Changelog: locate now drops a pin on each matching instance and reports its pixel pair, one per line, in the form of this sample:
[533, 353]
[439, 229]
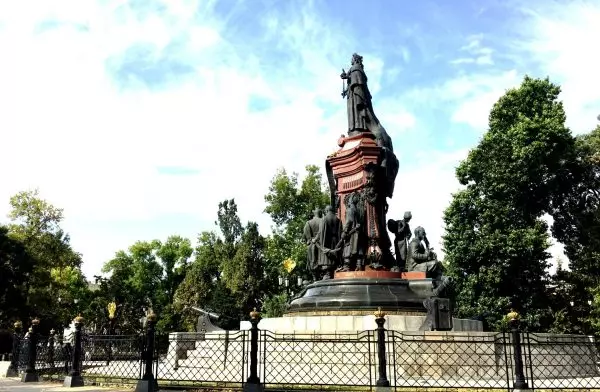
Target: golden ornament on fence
[289, 265]
[112, 309]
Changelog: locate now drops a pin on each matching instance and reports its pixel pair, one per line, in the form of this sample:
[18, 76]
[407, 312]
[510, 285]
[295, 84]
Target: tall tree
[577, 225]
[173, 255]
[495, 242]
[134, 283]
[227, 274]
[36, 224]
[15, 266]
[290, 205]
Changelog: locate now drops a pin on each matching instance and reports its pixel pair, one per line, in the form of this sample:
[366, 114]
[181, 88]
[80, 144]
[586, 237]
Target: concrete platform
[332, 324]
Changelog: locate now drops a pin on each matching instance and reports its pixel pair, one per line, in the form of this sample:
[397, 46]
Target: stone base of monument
[347, 303]
[364, 291]
[340, 323]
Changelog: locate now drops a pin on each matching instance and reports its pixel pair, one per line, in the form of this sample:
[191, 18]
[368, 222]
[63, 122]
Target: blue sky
[138, 117]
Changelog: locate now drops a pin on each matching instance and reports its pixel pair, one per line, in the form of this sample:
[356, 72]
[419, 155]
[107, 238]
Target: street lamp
[285, 282]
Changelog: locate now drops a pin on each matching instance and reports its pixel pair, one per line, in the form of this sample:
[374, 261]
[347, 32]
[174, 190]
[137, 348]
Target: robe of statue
[354, 246]
[310, 236]
[330, 234]
[417, 260]
[403, 235]
[359, 100]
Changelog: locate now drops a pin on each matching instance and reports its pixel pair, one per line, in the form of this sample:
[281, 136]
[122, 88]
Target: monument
[349, 249]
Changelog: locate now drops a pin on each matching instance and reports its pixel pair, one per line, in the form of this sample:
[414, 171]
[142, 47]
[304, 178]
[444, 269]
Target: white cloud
[476, 53]
[93, 147]
[562, 38]
[470, 96]
[425, 189]
[556, 40]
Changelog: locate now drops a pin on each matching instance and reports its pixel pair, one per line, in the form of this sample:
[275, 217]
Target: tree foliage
[227, 275]
[146, 276]
[15, 266]
[577, 226]
[496, 242]
[290, 204]
[46, 252]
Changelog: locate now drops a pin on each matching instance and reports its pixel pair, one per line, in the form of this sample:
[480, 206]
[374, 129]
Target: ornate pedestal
[357, 172]
[406, 296]
[363, 292]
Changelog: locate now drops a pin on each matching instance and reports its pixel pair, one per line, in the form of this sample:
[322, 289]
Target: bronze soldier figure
[330, 235]
[401, 229]
[423, 259]
[310, 237]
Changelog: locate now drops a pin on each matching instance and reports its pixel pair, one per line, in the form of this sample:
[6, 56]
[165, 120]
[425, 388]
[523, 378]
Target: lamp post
[514, 322]
[31, 374]
[13, 369]
[74, 379]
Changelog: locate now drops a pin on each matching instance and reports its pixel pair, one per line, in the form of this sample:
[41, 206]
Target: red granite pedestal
[356, 170]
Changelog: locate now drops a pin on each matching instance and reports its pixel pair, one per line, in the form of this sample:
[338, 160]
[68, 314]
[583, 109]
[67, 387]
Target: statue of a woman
[360, 111]
[362, 118]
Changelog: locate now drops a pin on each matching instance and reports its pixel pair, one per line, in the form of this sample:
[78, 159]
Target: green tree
[36, 225]
[495, 241]
[227, 275]
[577, 225]
[134, 283]
[290, 205]
[15, 266]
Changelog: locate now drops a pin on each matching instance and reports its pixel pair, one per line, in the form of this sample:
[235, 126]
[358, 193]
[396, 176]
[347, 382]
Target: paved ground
[15, 385]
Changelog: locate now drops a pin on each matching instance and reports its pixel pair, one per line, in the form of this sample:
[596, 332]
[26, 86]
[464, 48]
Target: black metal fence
[348, 361]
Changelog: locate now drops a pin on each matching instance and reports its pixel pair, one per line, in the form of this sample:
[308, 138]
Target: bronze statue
[329, 244]
[362, 118]
[401, 229]
[359, 106]
[310, 237]
[423, 259]
[352, 234]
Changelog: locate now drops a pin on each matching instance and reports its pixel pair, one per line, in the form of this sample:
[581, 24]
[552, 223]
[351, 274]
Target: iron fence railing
[343, 361]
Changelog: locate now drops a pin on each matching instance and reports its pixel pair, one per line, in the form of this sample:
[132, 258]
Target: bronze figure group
[331, 246]
[363, 240]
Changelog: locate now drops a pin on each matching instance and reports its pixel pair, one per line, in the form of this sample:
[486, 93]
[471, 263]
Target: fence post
[253, 381]
[13, 369]
[520, 382]
[148, 382]
[382, 381]
[75, 379]
[51, 349]
[31, 374]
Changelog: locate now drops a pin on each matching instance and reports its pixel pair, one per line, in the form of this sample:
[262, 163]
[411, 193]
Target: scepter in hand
[344, 88]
